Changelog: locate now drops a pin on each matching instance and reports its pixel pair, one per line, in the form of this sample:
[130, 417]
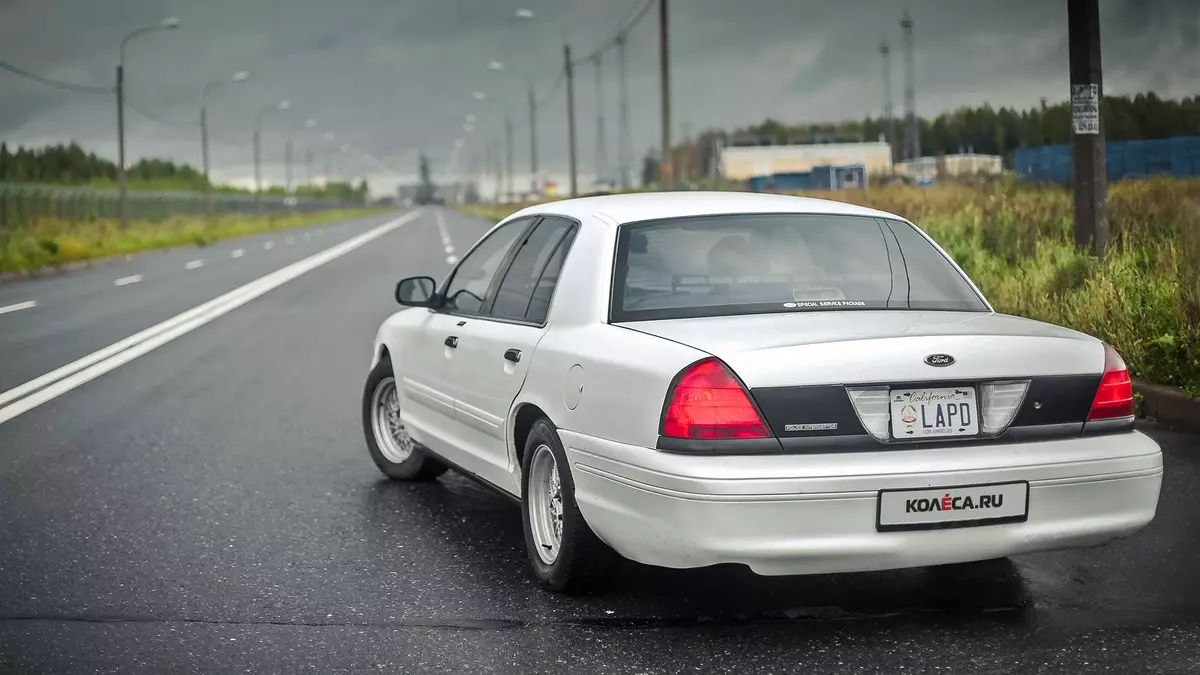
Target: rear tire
[394, 451]
[564, 553]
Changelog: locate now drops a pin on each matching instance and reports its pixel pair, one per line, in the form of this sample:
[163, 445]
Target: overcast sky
[395, 77]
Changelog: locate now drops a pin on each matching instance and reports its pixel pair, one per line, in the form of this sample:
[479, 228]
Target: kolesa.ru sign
[926, 508]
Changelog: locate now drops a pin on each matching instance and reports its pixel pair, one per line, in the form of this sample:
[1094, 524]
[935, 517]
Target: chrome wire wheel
[545, 504]
[390, 435]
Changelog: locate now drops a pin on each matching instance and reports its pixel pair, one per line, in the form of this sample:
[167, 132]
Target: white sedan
[796, 385]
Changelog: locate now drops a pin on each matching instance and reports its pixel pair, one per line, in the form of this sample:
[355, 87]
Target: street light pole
[166, 24]
[239, 76]
[282, 105]
[528, 14]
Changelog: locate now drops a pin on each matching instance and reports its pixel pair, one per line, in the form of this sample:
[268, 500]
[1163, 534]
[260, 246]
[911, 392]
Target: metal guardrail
[22, 204]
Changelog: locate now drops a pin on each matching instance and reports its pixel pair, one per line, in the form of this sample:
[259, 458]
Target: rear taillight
[709, 403]
[1114, 396]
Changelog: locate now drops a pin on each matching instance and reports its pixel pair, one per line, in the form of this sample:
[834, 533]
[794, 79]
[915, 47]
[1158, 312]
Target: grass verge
[51, 242]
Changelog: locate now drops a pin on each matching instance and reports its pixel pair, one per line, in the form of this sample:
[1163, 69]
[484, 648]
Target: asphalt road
[210, 507]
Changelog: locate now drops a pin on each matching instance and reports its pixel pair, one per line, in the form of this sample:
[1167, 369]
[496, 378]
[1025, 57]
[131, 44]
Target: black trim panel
[829, 404]
[1057, 399]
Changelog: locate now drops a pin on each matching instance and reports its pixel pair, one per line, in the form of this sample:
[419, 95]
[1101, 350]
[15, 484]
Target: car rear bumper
[805, 514]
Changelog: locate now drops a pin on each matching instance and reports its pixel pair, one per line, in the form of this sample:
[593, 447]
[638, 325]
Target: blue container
[1179, 156]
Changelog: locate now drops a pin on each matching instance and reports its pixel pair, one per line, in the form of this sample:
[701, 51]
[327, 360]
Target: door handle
[513, 355]
[451, 342]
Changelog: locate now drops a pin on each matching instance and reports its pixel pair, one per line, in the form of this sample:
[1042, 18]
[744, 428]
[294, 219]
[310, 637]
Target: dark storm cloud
[395, 77]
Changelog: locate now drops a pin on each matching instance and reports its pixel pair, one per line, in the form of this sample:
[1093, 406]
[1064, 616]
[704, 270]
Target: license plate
[934, 413]
[963, 506]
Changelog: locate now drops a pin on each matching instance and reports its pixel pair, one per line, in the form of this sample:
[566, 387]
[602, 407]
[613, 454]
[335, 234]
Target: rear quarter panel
[605, 381]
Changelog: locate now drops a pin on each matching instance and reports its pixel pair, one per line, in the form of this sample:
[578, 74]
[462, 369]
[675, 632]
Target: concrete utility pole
[664, 51]
[910, 96]
[534, 183]
[601, 142]
[624, 143]
[571, 117]
[1088, 159]
[889, 118]
[508, 157]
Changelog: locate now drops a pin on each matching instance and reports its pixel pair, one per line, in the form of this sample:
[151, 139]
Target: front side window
[752, 263]
[467, 290]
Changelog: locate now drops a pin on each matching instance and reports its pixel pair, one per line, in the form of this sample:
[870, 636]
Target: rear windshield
[745, 264]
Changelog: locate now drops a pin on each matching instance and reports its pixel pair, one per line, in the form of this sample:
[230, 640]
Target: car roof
[638, 206]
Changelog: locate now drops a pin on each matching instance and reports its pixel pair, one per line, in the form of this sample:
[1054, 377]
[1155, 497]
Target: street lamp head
[345, 147]
[480, 96]
[310, 123]
[328, 136]
[468, 127]
[241, 76]
[285, 105]
[495, 66]
[169, 23]
[470, 118]
[523, 13]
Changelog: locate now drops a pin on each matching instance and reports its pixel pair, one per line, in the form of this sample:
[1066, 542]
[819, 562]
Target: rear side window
[523, 280]
[752, 263]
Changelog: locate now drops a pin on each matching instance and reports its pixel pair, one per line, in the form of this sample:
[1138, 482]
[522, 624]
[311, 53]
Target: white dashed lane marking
[268, 245]
[237, 253]
[125, 281]
[193, 264]
[451, 259]
[19, 306]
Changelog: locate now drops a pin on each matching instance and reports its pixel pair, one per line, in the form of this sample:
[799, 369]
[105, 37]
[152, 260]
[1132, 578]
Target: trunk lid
[819, 375]
[882, 347]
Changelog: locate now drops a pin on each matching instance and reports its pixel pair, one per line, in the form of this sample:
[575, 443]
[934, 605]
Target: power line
[155, 118]
[50, 82]
[620, 33]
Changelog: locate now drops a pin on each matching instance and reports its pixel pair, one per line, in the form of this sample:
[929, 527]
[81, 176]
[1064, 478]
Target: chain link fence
[22, 204]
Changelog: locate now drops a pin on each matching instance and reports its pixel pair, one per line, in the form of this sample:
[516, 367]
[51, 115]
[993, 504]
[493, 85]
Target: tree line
[982, 129]
[70, 164]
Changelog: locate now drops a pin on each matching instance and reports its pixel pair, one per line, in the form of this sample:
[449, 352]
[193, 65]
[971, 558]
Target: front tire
[394, 451]
[564, 553]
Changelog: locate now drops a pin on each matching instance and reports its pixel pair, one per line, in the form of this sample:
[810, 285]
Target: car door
[429, 373]
[495, 349]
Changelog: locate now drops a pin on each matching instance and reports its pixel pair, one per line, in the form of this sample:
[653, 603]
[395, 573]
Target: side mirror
[416, 292]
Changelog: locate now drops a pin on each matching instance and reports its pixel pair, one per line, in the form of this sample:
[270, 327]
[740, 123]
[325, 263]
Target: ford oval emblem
[939, 360]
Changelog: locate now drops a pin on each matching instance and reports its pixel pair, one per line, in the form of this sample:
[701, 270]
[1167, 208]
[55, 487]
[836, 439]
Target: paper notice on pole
[1085, 108]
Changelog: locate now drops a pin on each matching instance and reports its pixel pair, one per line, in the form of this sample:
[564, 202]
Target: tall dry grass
[1015, 240]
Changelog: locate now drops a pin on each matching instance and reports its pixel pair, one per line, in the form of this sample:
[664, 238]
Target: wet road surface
[210, 507]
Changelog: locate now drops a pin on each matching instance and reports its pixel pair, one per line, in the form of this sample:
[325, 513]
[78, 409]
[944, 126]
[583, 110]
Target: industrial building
[951, 166]
[744, 163]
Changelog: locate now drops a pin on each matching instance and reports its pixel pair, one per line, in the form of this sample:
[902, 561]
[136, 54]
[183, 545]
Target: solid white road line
[125, 281]
[19, 306]
[451, 259]
[193, 264]
[268, 245]
[59, 381]
[237, 253]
